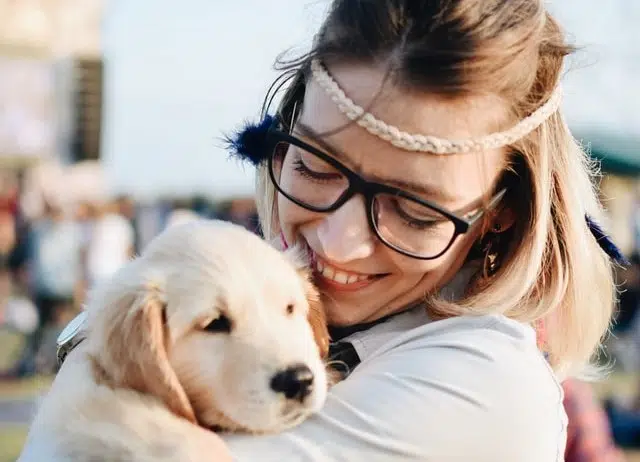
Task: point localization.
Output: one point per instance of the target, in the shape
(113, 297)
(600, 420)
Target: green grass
(11, 344)
(11, 441)
(12, 436)
(25, 388)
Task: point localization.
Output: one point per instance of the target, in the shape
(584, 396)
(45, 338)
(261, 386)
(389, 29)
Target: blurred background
(112, 115)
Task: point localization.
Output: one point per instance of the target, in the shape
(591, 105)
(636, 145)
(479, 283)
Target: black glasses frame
(369, 190)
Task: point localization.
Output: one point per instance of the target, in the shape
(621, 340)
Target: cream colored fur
(149, 379)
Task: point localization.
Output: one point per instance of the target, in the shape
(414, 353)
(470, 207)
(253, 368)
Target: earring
(490, 249)
(488, 258)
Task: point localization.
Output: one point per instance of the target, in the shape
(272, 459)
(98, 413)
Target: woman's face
(342, 242)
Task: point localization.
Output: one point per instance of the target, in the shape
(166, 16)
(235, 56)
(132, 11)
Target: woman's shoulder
(489, 336)
(491, 357)
(492, 342)
(485, 369)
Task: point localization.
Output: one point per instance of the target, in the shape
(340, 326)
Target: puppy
(211, 328)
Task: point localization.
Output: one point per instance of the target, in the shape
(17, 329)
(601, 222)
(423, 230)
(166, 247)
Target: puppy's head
(224, 329)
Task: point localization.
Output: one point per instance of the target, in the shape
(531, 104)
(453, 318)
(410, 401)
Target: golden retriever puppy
(211, 328)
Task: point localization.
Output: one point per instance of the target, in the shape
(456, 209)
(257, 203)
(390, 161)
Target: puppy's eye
(290, 308)
(221, 324)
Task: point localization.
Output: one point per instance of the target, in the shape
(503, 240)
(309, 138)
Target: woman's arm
(456, 390)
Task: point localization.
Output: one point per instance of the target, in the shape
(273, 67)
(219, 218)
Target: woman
(419, 153)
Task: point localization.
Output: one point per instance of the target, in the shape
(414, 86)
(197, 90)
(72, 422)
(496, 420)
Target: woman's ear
(503, 220)
(131, 351)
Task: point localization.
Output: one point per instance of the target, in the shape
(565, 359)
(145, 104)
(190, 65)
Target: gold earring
(491, 260)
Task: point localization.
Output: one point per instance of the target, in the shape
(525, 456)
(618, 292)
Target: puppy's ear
(133, 350)
(318, 321)
(317, 316)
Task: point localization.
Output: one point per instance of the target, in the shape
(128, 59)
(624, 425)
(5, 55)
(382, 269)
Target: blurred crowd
(49, 260)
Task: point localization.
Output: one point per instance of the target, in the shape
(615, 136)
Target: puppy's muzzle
(295, 382)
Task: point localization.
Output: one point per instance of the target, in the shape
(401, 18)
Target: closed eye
(222, 324)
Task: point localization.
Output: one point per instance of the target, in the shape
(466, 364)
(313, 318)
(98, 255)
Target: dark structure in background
(87, 120)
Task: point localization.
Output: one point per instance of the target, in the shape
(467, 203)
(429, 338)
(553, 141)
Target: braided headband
(426, 143)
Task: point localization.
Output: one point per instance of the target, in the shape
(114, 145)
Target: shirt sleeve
(437, 394)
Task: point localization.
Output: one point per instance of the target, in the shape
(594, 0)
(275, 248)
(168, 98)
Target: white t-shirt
(465, 389)
(112, 238)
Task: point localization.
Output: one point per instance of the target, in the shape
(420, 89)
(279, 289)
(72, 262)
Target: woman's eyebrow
(437, 195)
(310, 133)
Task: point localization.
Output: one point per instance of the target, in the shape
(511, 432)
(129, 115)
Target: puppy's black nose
(296, 382)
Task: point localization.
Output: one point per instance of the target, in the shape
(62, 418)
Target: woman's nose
(345, 234)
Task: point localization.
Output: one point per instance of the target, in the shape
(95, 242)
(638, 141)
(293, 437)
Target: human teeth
(328, 272)
(342, 278)
(339, 276)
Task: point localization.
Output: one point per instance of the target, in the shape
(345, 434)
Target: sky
(178, 79)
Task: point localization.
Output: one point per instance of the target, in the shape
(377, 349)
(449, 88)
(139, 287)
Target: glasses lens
(410, 226)
(306, 178)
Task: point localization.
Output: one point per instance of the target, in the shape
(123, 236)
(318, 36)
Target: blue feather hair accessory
(605, 242)
(250, 141)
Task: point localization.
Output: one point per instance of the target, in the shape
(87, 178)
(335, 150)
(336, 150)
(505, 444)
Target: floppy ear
(318, 320)
(132, 352)
(316, 317)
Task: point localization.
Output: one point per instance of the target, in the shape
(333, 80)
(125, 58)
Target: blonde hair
(551, 269)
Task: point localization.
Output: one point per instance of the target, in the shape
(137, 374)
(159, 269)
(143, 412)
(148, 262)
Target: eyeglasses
(406, 223)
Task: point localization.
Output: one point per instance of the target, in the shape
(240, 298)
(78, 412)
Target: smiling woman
(420, 156)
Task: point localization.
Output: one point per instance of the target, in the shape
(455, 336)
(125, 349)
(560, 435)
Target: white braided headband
(426, 143)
